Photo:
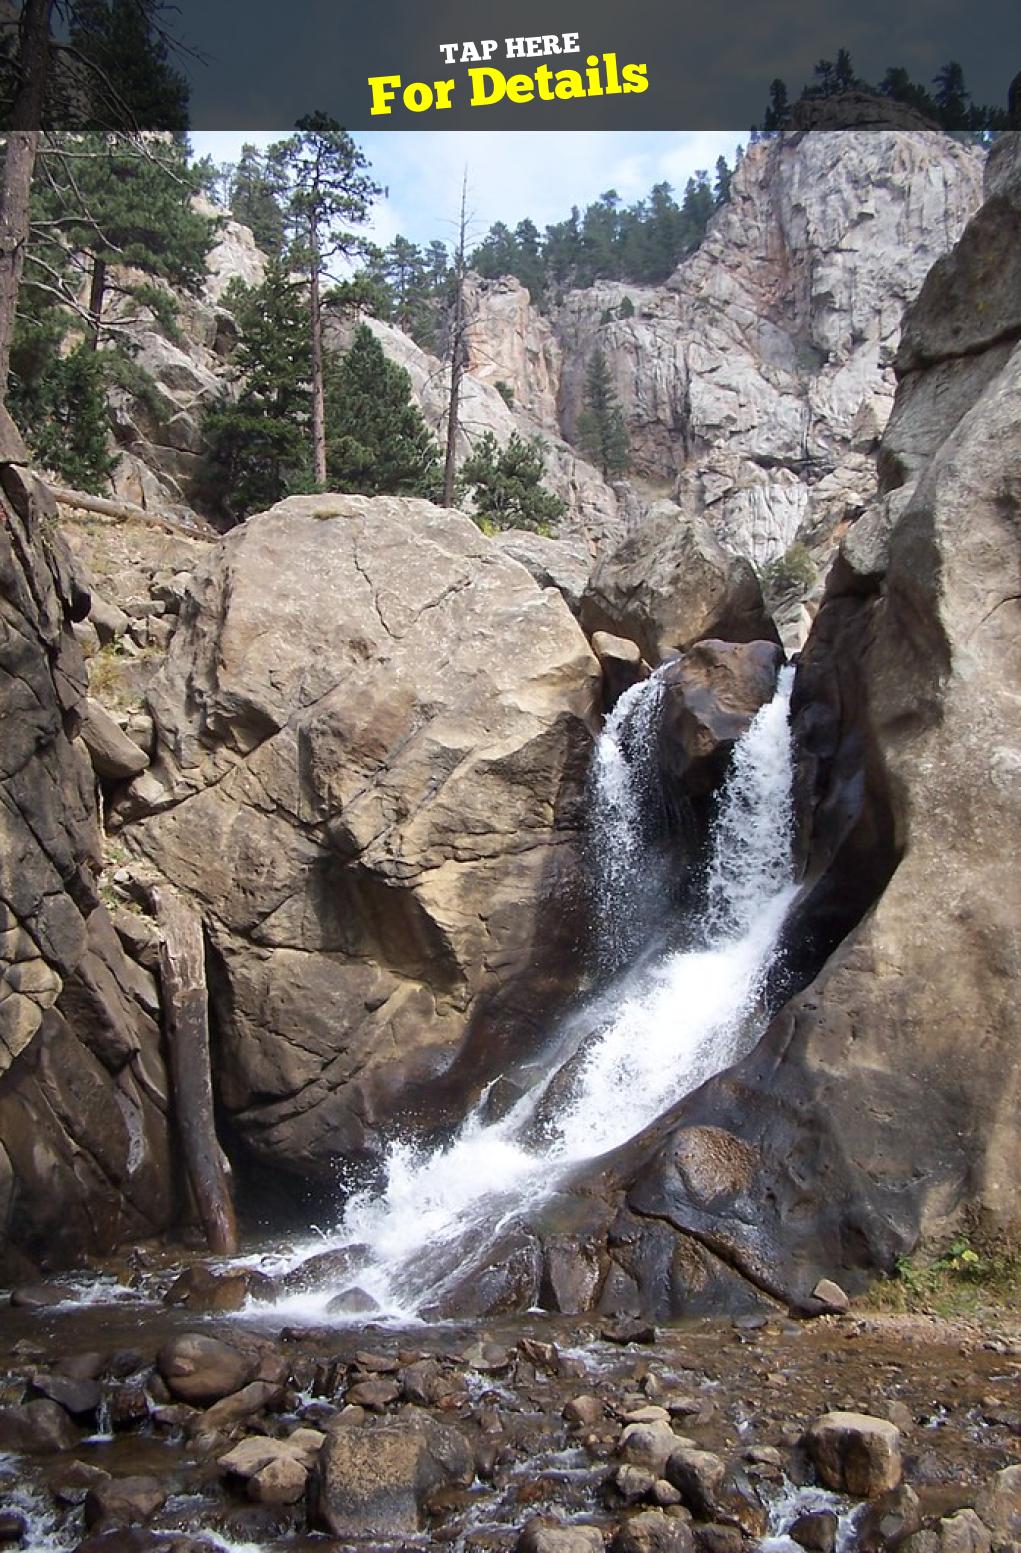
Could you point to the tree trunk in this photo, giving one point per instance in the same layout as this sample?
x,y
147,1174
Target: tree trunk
x,y
457,354
318,387
96,293
19,164
126,511
186,1020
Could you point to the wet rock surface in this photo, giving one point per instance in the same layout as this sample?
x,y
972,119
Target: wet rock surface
x,y
518,1433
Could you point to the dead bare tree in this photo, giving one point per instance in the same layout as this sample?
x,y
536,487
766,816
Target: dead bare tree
x,y
458,351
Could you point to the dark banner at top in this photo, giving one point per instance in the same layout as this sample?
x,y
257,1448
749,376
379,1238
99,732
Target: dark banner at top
x,y
530,65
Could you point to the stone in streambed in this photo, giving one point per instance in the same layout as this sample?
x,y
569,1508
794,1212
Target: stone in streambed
x,y
710,697
649,1445
257,1397
352,1302
373,1480
714,1492
888,1521
855,1454
41,1427
122,1501
13,1526
201,1289
815,1530
653,1532
999,1505
543,1534
203,1369
831,1297
79,1397
324,1268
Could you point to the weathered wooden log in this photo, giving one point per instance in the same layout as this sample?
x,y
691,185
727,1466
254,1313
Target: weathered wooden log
x,y
125,510
186,1020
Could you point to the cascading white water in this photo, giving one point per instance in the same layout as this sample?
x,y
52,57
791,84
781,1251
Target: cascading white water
x,y
667,1027
622,786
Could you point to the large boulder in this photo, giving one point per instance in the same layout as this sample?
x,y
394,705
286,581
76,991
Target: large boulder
x,y
711,695
374,1480
670,584
375,728
84,1158
855,1454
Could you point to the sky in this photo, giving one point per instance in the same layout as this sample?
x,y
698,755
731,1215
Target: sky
x,y
510,176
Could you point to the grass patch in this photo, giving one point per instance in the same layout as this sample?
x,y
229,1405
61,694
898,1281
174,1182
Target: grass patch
x,y
964,1280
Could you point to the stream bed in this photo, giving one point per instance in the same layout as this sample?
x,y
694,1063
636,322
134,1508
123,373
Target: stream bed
x,y
539,1402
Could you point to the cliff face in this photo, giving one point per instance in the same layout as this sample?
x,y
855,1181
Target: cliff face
x,y
756,382
84,1158
881,1105
760,377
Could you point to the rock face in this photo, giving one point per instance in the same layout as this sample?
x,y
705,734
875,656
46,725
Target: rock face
x,y
883,1100
760,376
510,342
84,1157
670,584
375,805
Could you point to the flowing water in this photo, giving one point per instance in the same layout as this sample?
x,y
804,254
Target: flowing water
x,y
660,1029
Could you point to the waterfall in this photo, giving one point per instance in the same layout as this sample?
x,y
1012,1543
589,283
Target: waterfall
x,y
622,791
662,1027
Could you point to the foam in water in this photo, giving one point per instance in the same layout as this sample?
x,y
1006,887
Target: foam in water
x,y
667,1027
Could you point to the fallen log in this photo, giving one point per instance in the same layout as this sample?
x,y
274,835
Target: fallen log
x,y
125,511
186,1021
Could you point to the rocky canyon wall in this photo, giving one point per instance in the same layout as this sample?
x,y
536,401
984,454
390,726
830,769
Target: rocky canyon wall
x,y
881,1104
85,1152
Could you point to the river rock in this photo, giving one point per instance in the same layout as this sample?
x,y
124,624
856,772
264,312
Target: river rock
x,y
855,1454
79,1396
257,1397
373,1480
998,1505
203,1369
815,1530
380,809
203,1289
670,584
714,1492
649,1446
622,665
653,1532
544,1534
888,1521
37,1427
122,1501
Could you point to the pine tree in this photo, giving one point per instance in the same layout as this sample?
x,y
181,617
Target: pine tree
x,y
257,439
254,200
377,440
328,191
131,79
126,201
70,428
602,432
507,486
